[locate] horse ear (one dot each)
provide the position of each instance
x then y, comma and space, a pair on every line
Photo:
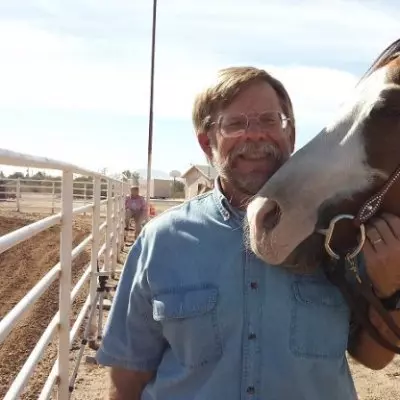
205, 144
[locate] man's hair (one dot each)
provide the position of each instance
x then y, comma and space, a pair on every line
230, 83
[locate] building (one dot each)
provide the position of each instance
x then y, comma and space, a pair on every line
198, 178
159, 188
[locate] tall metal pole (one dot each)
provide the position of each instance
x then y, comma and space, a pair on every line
150, 137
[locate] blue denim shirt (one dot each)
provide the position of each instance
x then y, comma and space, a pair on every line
217, 323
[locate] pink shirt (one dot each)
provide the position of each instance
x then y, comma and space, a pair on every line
137, 203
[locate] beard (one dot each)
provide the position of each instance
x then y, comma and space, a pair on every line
247, 183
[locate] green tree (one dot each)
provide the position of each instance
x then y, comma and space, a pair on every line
16, 175
39, 176
178, 189
131, 175
136, 176
126, 175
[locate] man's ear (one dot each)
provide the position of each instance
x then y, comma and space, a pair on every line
205, 144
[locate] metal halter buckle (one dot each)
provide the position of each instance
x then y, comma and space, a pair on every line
329, 233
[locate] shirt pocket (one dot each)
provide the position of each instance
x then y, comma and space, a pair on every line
190, 323
319, 325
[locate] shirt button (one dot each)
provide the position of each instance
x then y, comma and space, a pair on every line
250, 390
254, 285
252, 336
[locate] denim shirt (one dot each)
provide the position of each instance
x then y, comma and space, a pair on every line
215, 322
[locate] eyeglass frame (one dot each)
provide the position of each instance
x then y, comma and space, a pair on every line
283, 118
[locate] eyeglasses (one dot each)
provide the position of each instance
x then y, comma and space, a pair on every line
237, 125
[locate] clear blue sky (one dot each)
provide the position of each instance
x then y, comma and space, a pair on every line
74, 81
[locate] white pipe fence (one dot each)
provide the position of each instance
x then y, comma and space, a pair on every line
104, 192
46, 193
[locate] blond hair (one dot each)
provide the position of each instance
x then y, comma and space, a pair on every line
230, 83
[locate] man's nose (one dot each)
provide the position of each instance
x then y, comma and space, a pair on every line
255, 132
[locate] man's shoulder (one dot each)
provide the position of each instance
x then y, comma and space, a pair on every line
186, 213
181, 226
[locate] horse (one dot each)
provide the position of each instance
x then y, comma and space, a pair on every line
312, 211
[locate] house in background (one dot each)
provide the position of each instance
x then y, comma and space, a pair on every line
198, 178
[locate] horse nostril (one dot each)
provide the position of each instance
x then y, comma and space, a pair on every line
272, 215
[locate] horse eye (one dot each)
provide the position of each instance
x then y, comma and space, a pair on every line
388, 105
381, 110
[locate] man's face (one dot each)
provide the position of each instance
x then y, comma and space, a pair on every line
247, 161
134, 191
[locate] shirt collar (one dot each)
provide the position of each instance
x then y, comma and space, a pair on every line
225, 208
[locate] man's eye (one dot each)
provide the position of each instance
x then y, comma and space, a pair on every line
269, 120
234, 123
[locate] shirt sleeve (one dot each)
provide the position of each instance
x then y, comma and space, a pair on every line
132, 338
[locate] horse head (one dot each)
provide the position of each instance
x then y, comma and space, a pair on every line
335, 173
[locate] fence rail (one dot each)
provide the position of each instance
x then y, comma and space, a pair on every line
105, 193
47, 193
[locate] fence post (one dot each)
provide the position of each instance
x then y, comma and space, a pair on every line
53, 194
18, 194
107, 260
95, 245
84, 195
115, 239
65, 285
122, 217
96, 237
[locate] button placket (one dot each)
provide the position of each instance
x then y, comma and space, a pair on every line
254, 285
250, 390
253, 353
252, 336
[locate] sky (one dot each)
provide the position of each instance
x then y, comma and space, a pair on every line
75, 75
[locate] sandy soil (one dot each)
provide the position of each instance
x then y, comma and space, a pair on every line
22, 266
377, 385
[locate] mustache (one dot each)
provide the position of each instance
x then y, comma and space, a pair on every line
246, 149
256, 149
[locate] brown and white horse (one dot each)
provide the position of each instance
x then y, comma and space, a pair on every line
335, 173
333, 185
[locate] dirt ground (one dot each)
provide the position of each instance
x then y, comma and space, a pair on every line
22, 266
377, 385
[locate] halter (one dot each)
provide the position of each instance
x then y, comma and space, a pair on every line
335, 270
368, 210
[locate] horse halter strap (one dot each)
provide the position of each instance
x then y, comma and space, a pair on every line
335, 270
371, 206
367, 210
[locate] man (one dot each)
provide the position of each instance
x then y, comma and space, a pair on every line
135, 207
197, 315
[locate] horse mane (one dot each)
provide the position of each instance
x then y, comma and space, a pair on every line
392, 51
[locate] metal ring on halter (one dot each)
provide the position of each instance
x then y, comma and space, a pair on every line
329, 233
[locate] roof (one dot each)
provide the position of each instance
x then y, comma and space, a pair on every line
207, 170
